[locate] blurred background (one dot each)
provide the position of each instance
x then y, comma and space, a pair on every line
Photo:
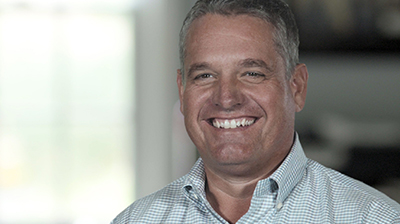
89, 112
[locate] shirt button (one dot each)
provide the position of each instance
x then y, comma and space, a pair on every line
195, 197
279, 206
188, 188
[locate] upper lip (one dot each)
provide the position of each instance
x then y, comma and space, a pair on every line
231, 116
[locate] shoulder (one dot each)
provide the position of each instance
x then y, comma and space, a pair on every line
348, 195
151, 208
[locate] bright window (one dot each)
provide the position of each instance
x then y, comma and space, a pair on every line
66, 109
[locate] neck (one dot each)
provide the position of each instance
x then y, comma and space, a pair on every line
234, 186
230, 197
229, 190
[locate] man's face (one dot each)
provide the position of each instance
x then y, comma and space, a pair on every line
238, 105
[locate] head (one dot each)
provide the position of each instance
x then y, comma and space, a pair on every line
242, 84
275, 12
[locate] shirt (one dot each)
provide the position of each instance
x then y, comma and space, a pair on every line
299, 191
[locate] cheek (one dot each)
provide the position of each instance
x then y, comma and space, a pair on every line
277, 103
192, 106
195, 100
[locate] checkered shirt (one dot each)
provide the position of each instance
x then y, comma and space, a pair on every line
299, 191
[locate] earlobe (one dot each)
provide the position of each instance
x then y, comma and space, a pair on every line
299, 86
181, 88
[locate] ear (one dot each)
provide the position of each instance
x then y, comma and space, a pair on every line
181, 88
298, 85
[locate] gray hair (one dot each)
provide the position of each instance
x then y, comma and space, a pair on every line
275, 12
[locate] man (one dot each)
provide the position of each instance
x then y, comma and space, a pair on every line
240, 86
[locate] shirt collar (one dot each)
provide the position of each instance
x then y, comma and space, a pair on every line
283, 180
196, 179
291, 171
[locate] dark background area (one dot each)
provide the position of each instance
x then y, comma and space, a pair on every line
351, 121
348, 25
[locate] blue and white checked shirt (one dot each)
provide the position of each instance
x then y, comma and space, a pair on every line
299, 191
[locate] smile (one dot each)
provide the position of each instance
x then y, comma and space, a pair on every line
233, 123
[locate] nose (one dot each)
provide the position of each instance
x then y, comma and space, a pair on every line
228, 94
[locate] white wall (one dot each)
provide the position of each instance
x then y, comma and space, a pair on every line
157, 27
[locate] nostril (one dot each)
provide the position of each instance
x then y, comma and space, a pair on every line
228, 102
227, 94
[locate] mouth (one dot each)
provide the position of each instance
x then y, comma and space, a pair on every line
232, 123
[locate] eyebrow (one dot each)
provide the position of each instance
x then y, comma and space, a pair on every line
251, 63
198, 67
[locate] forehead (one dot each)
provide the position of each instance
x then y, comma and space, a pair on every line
220, 35
250, 26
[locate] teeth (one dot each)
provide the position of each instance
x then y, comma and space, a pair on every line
216, 124
230, 124
233, 124
226, 124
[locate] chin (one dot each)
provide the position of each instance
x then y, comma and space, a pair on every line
232, 155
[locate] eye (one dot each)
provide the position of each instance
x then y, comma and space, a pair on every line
203, 76
253, 77
254, 74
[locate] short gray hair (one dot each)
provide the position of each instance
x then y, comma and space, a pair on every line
275, 12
